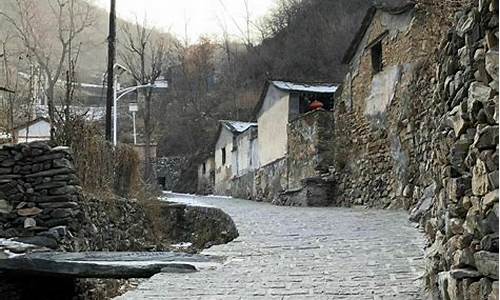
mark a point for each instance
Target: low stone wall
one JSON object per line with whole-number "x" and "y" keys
{"x": 461, "y": 221}
{"x": 271, "y": 180}
{"x": 202, "y": 226}
{"x": 434, "y": 150}
{"x": 243, "y": 187}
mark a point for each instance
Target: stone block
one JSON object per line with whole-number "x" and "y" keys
{"x": 490, "y": 242}
{"x": 27, "y": 212}
{"x": 457, "y": 187}
{"x": 480, "y": 179}
{"x": 491, "y": 64}
{"x": 464, "y": 273}
{"x": 489, "y": 200}
{"x": 458, "y": 120}
{"x": 462, "y": 258}
{"x": 487, "y": 263}
{"x": 5, "y": 207}
{"x": 480, "y": 92}
{"x": 29, "y": 223}
{"x": 494, "y": 291}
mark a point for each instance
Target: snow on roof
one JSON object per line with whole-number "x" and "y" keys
{"x": 237, "y": 126}
{"x": 302, "y": 87}
{"x": 90, "y": 113}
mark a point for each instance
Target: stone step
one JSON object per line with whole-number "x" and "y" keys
{"x": 104, "y": 264}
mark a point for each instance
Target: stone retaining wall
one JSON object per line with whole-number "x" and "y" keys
{"x": 462, "y": 220}
{"x": 243, "y": 187}
{"x": 168, "y": 171}
{"x": 434, "y": 150}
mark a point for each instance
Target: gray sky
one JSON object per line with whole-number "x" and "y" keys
{"x": 202, "y": 16}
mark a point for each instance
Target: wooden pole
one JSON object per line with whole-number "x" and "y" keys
{"x": 111, "y": 64}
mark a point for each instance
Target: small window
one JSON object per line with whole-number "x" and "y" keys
{"x": 204, "y": 168}
{"x": 223, "y": 150}
{"x": 376, "y": 50}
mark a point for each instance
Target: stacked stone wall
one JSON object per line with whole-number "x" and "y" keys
{"x": 271, "y": 180}
{"x": 309, "y": 146}
{"x": 170, "y": 168}
{"x": 39, "y": 193}
{"x": 434, "y": 150}
{"x": 374, "y": 151}
{"x": 243, "y": 187}
{"x": 462, "y": 222}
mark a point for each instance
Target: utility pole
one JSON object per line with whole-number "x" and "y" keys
{"x": 111, "y": 64}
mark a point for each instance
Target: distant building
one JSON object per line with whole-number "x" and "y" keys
{"x": 35, "y": 130}
{"x": 287, "y": 148}
{"x": 206, "y": 176}
{"x": 280, "y": 103}
{"x": 235, "y": 152}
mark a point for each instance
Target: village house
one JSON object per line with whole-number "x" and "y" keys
{"x": 235, "y": 153}
{"x": 284, "y": 152}
{"x": 35, "y": 130}
{"x": 294, "y": 121}
{"x": 375, "y": 115}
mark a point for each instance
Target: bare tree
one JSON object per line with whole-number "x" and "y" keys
{"x": 144, "y": 53}
{"x": 69, "y": 18}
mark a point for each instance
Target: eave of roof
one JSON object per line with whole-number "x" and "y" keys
{"x": 237, "y": 126}
{"x": 321, "y": 88}
{"x": 27, "y": 124}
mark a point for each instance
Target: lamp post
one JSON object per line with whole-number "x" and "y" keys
{"x": 120, "y": 70}
{"x": 160, "y": 84}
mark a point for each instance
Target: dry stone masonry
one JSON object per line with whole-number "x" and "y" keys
{"x": 39, "y": 193}
{"x": 431, "y": 145}
{"x": 462, "y": 222}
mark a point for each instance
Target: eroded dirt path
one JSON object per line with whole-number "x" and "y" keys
{"x": 302, "y": 253}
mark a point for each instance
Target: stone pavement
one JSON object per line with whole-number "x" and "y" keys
{"x": 302, "y": 253}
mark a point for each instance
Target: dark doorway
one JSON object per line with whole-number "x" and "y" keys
{"x": 162, "y": 181}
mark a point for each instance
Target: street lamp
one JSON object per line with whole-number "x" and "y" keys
{"x": 159, "y": 84}
{"x": 120, "y": 70}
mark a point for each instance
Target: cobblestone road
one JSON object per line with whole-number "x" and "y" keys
{"x": 303, "y": 253}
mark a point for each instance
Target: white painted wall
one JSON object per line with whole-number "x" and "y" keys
{"x": 39, "y": 131}
{"x": 383, "y": 89}
{"x": 247, "y": 156}
{"x": 223, "y": 172}
{"x": 209, "y": 167}
{"x": 273, "y": 126}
